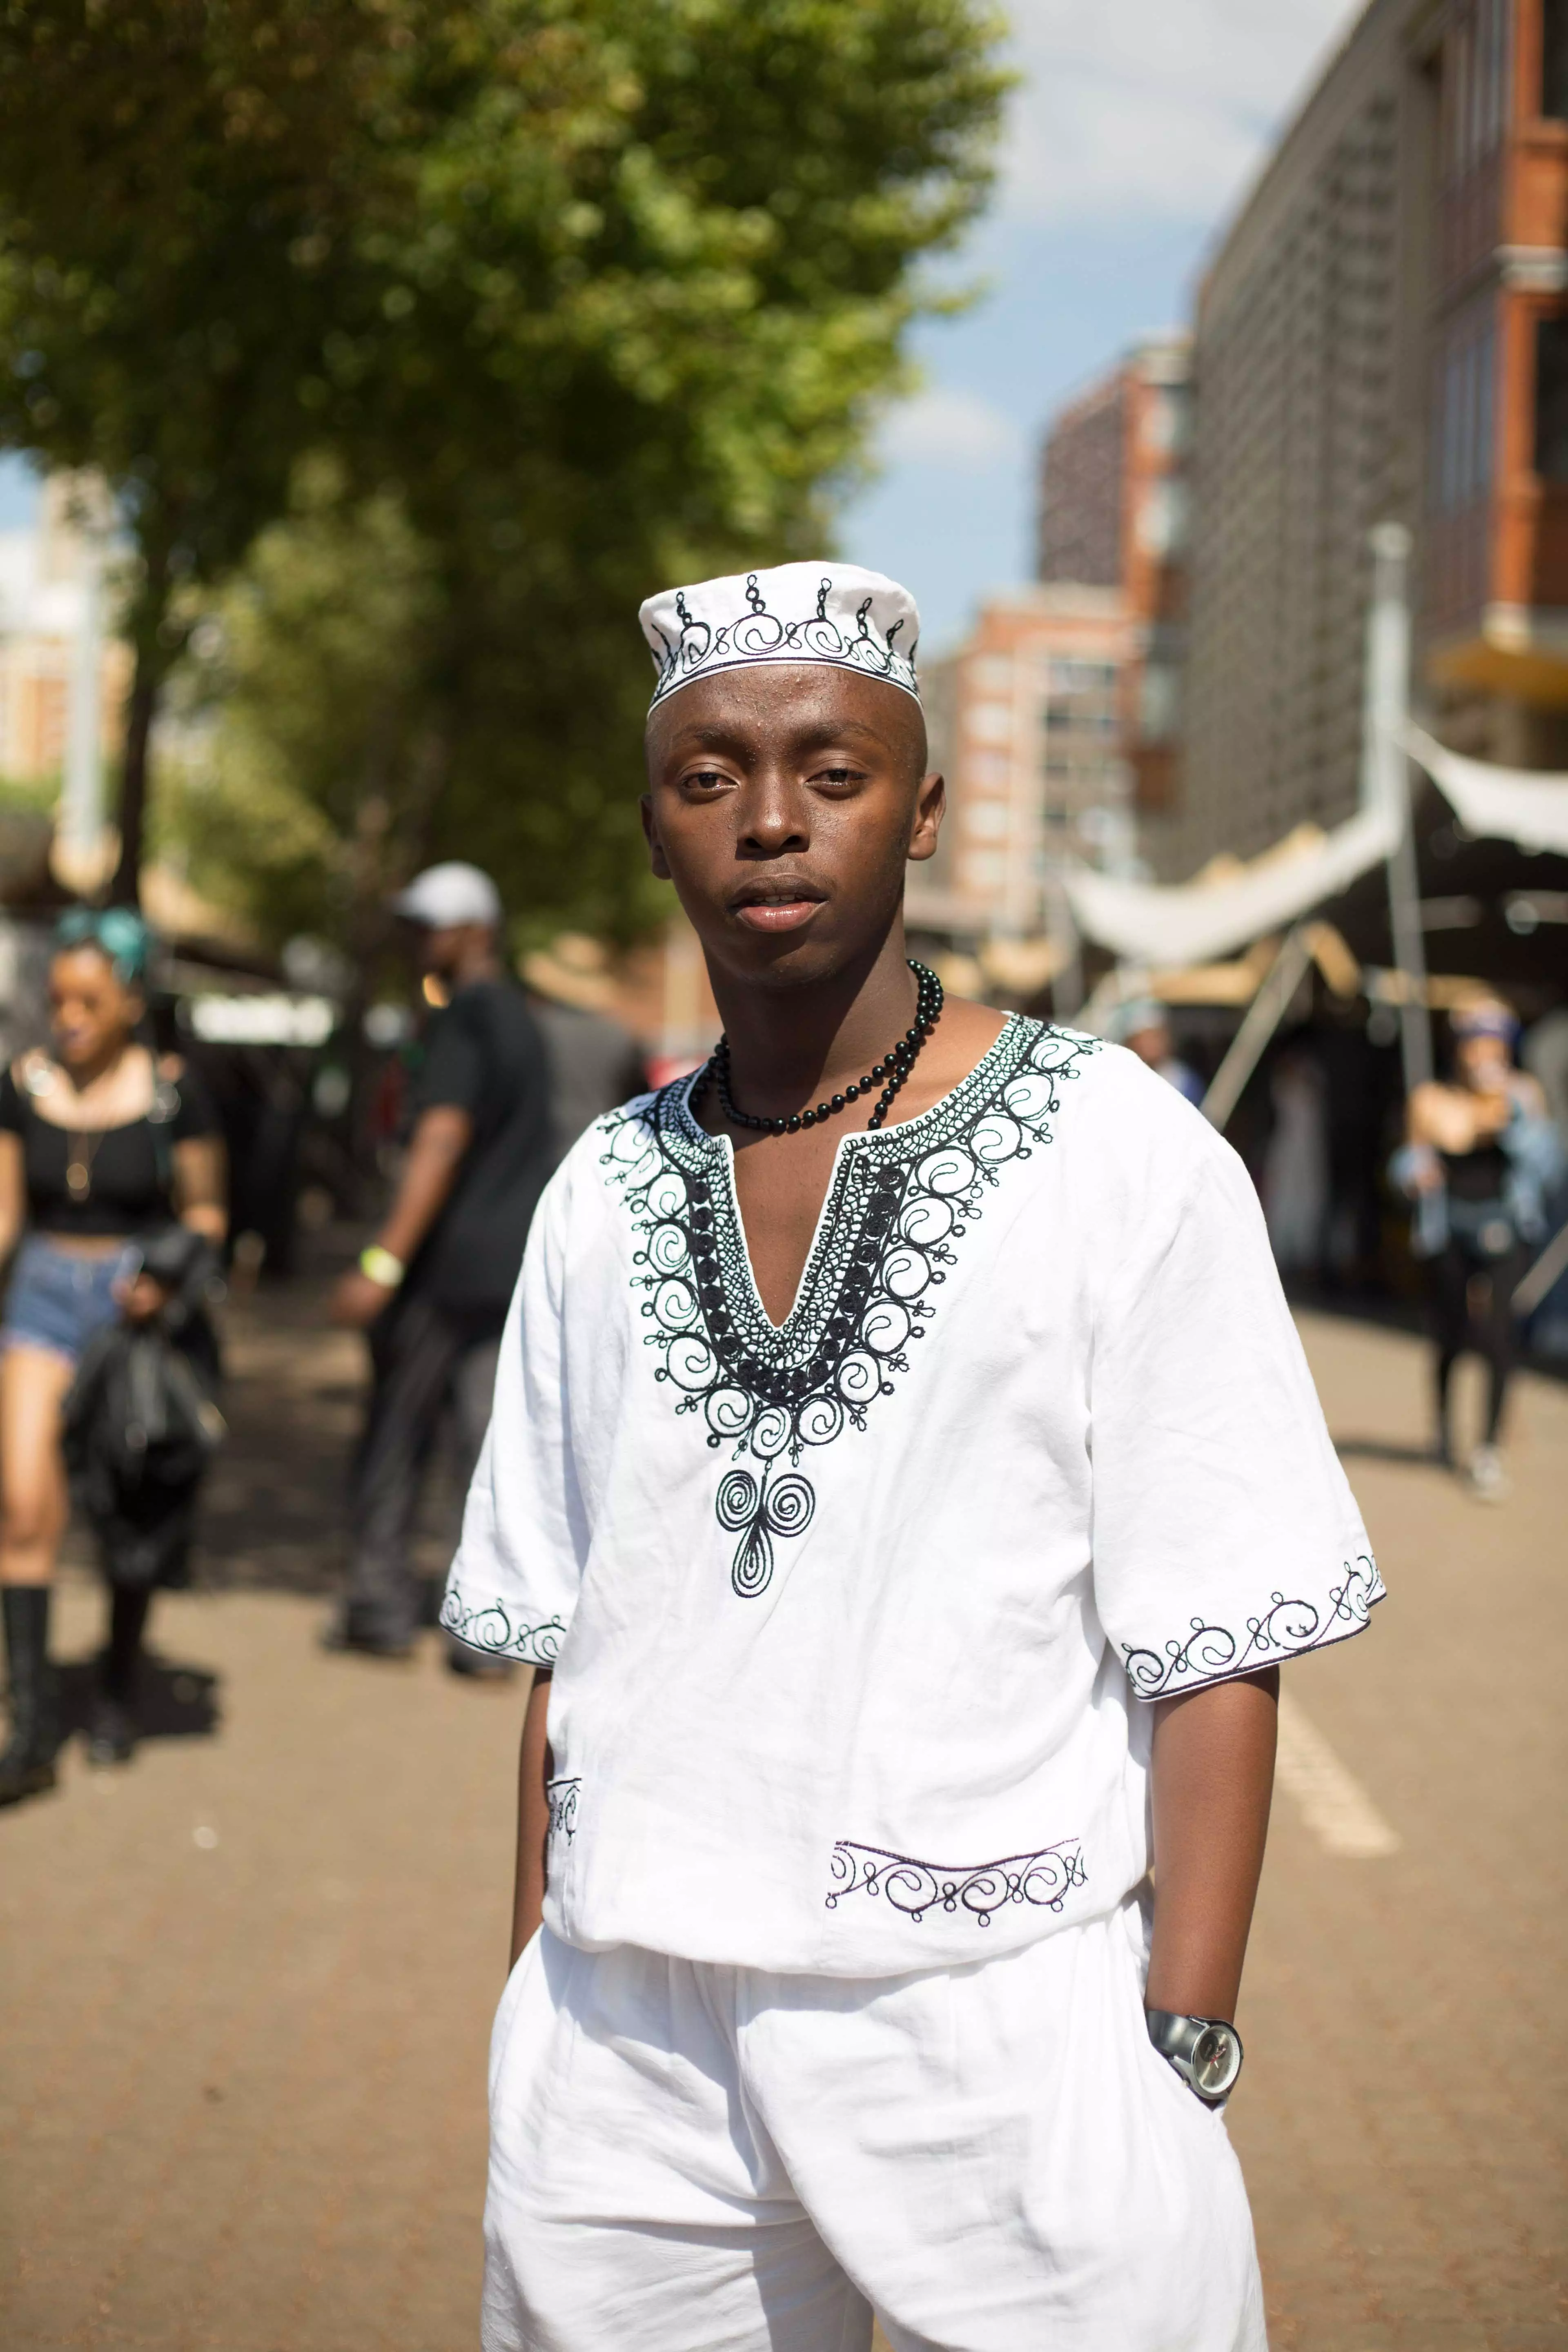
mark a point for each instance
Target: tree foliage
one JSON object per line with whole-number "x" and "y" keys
{"x": 584, "y": 293}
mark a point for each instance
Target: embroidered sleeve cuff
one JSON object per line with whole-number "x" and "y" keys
{"x": 501, "y": 1628}
{"x": 1210, "y": 1651}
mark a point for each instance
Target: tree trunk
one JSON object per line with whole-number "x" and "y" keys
{"x": 141, "y": 709}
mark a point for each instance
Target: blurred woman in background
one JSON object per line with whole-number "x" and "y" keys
{"x": 1480, "y": 1156}
{"x": 101, "y": 1145}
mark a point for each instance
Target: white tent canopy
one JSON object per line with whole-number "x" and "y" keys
{"x": 1194, "y": 922}
{"x": 1514, "y": 805}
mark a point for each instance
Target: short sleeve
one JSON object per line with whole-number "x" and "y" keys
{"x": 12, "y": 1116}
{"x": 453, "y": 1072}
{"x": 1225, "y": 1539}
{"x": 514, "y": 1582}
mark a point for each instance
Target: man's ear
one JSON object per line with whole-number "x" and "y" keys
{"x": 931, "y": 806}
{"x": 656, "y": 857}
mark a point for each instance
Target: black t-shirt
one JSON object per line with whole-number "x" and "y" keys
{"x": 484, "y": 1055}
{"x": 128, "y": 1169}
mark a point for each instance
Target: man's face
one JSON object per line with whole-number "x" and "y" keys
{"x": 440, "y": 949}
{"x": 783, "y": 803}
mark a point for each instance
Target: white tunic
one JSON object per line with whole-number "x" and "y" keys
{"x": 849, "y": 1617}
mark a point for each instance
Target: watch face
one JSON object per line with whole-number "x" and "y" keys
{"x": 1215, "y": 2061}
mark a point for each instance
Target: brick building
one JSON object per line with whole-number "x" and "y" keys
{"x": 1025, "y": 723}
{"x": 1383, "y": 334}
{"x": 1114, "y": 515}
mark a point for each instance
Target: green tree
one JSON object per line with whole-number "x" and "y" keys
{"x": 592, "y": 291}
{"x": 171, "y": 180}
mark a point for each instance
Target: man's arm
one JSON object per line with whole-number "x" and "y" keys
{"x": 1213, "y": 1778}
{"x": 441, "y": 1138}
{"x": 536, "y": 1769}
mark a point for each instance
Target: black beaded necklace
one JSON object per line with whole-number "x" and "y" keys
{"x": 890, "y": 1073}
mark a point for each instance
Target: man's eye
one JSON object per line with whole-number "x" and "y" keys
{"x": 838, "y": 776}
{"x": 706, "y": 779}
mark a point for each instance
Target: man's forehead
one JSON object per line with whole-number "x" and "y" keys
{"x": 806, "y": 699}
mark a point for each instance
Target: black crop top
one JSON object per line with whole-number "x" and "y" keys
{"x": 130, "y": 1168}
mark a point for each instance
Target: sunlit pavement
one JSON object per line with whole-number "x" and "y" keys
{"x": 248, "y": 1983}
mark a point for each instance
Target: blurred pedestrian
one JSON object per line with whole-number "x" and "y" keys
{"x": 1142, "y": 1027}
{"x": 1480, "y": 1155}
{"x": 433, "y": 1287}
{"x": 595, "y": 1063}
{"x": 101, "y": 1145}
{"x": 1295, "y": 1186}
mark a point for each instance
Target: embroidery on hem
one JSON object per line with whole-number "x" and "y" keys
{"x": 1044, "y": 1878}
{"x": 1287, "y": 1629}
{"x": 492, "y": 1628}
{"x": 561, "y": 1796}
{"x": 899, "y": 1202}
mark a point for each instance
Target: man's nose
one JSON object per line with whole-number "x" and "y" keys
{"x": 775, "y": 818}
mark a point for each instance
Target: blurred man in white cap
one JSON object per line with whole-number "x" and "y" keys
{"x": 432, "y": 1287}
{"x": 905, "y": 1464}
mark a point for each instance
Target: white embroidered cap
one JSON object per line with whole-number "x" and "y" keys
{"x": 794, "y": 612}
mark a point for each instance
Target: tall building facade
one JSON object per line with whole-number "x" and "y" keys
{"x": 1025, "y": 723}
{"x": 1382, "y": 334}
{"x": 1113, "y": 500}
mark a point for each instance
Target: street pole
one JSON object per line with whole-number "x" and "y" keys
{"x": 1385, "y": 784}
{"x": 81, "y": 800}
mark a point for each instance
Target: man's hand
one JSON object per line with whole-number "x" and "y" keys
{"x": 356, "y": 1300}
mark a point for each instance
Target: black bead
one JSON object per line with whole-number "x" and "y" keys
{"x": 792, "y": 1126}
{"x": 808, "y": 1118}
{"x": 876, "y": 1069}
{"x": 778, "y": 1124}
{"x": 852, "y": 1094}
{"x": 838, "y": 1102}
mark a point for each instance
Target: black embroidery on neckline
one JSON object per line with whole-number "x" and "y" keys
{"x": 1213, "y": 1654}
{"x": 561, "y": 1796}
{"x": 898, "y": 1203}
{"x": 1045, "y": 1878}
{"x": 491, "y": 1627}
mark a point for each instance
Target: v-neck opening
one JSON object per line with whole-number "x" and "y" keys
{"x": 858, "y": 1138}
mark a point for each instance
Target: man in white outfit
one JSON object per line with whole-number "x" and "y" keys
{"x": 905, "y": 1483}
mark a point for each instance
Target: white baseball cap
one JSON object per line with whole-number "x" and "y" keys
{"x": 453, "y": 893}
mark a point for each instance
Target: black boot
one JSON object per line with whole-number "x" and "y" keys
{"x": 111, "y": 1735}
{"x": 28, "y": 1760}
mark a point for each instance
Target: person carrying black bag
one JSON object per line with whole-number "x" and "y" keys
{"x": 141, "y": 1425}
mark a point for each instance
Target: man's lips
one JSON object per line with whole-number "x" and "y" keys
{"x": 783, "y": 910}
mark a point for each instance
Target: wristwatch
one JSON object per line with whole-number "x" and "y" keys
{"x": 1205, "y": 2051}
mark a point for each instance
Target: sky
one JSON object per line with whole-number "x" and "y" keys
{"x": 1136, "y": 132}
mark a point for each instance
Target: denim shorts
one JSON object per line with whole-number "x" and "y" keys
{"x": 56, "y": 1300}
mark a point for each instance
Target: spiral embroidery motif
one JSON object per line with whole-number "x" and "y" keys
{"x": 1045, "y": 1878}
{"x": 902, "y": 1200}
{"x": 1208, "y": 1653}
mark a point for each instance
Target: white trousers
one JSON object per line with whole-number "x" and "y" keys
{"x": 692, "y": 2158}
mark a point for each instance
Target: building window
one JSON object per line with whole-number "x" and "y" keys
{"x": 1466, "y": 421}
{"x": 1554, "y": 60}
{"x": 1552, "y": 399}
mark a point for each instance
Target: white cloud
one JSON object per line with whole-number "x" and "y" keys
{"x": 1136, "y": 106}
{"x": 956, "y": 429}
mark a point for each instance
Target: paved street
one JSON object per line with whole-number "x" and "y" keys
{"x": 247, "y": 1984}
